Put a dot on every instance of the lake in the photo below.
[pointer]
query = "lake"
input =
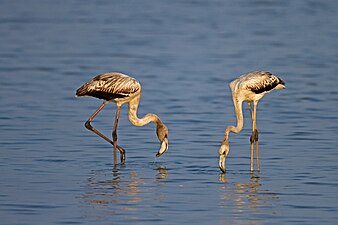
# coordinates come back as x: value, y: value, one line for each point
x: 184, y: 53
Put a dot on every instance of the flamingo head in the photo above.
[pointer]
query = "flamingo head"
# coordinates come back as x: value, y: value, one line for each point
x: 223, y: 153
x: 162, y: 134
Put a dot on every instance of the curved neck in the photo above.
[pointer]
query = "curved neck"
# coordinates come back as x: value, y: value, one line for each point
x: 133, y: 106
x: 239, y: 117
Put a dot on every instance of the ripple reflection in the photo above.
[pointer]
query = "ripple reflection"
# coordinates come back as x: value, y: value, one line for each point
x: 119, y: 192
x: 246, y: 198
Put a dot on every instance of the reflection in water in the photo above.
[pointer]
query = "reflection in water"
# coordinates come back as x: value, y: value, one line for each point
x: 119, y: 191
x: 245, y: 198
x: 162, y: 173
x: 103, y: 191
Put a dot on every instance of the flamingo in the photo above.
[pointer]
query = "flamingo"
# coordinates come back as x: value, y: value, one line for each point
x: 249, y: 87
x: 120, y: 88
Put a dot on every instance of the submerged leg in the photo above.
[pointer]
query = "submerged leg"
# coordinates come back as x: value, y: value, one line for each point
x: 91, y: 128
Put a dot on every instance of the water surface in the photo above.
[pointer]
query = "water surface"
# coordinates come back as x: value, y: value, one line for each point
x: 184, y: 53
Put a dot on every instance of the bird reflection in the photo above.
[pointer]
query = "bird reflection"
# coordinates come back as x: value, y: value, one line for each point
x: 244, y: 192
x: 244, y: 197
x: 106, y: 187
x: 162, y: 173
x: 248, y: 191
x: 119, y: 191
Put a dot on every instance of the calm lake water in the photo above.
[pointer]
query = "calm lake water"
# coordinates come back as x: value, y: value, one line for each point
x: 184, y: 53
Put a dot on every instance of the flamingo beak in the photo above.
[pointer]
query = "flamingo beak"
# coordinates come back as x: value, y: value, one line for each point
x: 164, y: 147
x: 222, y: 162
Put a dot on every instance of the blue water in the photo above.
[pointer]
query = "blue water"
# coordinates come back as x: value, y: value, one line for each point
x: 184, y: 53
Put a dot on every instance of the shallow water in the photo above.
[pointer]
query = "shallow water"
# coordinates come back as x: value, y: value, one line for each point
x: 54, y: 171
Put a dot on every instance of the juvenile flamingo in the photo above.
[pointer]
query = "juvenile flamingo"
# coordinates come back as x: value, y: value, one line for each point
x: 120, y: 88
x: 250, y: 87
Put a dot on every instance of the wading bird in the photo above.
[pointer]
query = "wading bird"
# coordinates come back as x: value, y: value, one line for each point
x: 250, y: 87
x: 120, y: 88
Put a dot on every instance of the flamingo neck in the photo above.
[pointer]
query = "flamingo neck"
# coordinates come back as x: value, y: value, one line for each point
x: 133, y: 106
x: 239, y: 117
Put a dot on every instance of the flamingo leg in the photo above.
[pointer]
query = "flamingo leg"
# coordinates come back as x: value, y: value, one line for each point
x: 255, y: 134
x: 254, y: 138
x: 249, y: 104
x: 252, y: 157
x: 257, y: 155
x: 91, y: 128
x: 114, y: 134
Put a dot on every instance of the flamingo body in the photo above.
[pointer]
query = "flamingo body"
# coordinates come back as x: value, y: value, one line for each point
x: 116, y: 87
x: 254, y: 85
x: 120, y: 88
x: 249, y: 87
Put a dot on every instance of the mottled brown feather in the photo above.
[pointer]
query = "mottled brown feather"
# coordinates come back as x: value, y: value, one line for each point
x: 110, y: 86
x: 259, y: 81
